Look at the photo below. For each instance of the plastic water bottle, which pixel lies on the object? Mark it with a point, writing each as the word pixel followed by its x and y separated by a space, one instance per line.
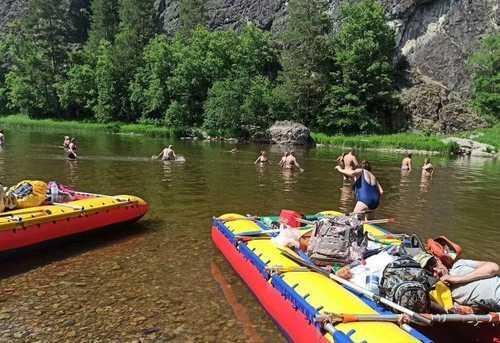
pixel 54 192
pixel 372 281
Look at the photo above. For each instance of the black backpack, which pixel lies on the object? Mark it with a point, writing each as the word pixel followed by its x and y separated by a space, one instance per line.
pixel 407 284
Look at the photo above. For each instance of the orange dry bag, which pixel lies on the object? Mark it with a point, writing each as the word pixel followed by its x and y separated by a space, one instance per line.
pixel 444 249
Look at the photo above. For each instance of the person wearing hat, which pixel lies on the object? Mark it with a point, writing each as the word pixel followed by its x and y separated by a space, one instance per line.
pixel 472 283
pixel 167 154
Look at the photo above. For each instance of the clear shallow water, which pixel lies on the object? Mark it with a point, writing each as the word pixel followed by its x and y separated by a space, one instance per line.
pixel 162 278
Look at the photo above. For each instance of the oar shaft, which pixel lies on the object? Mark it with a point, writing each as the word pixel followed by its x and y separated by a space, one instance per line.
pixel 417 317
pixel 338 336
pixel 446 318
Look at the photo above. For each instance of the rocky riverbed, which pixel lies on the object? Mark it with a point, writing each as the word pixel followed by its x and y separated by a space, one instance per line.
pixel 112 294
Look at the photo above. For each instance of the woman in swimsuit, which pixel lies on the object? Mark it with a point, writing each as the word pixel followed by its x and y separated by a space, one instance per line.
pixel 406 163
pixel 427 168
pixel 368 190
pixel 262 159
pixel 72 149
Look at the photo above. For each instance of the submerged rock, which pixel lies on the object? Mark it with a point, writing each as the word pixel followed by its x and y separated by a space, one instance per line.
pixel 290 133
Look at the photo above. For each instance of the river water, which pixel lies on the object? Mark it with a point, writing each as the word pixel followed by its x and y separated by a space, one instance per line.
pixel 162 279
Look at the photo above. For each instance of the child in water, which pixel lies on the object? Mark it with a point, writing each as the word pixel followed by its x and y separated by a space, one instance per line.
pixel 72 149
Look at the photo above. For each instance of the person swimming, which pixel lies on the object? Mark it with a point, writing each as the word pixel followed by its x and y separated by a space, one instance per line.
pixel 406 163
pixel 427 168
pixel 72 149
pixel 66 142
pixel 366 187
pixel 262 159
pixel 167 154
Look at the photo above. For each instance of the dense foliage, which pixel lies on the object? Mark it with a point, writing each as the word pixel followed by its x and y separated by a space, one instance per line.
pixel 127 70
pixel 485 65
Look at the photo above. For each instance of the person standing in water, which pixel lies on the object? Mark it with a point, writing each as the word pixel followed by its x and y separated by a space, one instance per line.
pixel 66 142
pixel 366 187
pixel 427 168
pixel 291 162
pixel 2 138
pixel 350 160
pixel 262 159
pixel 406 163
pixel 72 149
pixel 167 154
pixel 283 159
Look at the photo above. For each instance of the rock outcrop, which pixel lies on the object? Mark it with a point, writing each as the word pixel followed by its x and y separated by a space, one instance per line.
pixel 434 39
pixel 290 133
pixel 472 148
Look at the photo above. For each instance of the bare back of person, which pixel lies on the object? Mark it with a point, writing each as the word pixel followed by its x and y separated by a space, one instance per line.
pixel 350 161
pixel 168 154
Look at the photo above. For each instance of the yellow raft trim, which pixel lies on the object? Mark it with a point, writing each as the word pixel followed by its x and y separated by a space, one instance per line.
pixel 42 214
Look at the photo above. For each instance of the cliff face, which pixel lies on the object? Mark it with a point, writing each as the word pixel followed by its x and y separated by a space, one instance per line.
pixel 434 39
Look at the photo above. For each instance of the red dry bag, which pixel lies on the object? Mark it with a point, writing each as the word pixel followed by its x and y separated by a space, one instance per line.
pixel 291 218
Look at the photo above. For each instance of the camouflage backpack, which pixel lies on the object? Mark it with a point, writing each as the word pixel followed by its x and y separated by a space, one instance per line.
pixel 337 240
pixel 407 284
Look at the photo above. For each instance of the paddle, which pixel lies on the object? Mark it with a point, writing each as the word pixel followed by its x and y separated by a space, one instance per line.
pixel 413 315
pixel 493 317
pixel 338 336
pixel 374 221
pixel 257 233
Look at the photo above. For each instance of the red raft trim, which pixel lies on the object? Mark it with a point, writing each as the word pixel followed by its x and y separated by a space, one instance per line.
pixel 292 322
pixel 30 235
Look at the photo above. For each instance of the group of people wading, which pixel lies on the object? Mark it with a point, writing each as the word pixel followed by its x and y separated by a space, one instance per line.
pixel 365 184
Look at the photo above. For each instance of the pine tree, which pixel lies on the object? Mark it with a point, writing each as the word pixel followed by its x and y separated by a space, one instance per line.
pixel 191 15
pixel 137 27
pixel 47 26
pixel 306 59
pixel 104 22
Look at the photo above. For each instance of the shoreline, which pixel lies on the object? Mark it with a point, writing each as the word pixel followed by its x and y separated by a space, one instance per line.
pixel 405 142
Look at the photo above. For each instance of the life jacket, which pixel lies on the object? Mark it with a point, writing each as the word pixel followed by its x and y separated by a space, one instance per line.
pixel 337 240
pixel 28 193
pixel 444 249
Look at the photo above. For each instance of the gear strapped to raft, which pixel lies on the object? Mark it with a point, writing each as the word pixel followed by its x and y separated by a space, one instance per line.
pixel 337 240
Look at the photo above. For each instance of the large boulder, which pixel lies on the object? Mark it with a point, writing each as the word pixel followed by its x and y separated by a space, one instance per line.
pixel 290 133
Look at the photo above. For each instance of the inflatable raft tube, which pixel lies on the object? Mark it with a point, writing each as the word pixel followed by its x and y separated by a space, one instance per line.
pixel 26 227
pixel 294 299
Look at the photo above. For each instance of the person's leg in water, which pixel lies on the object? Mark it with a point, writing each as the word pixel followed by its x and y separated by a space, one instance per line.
pixel 361 208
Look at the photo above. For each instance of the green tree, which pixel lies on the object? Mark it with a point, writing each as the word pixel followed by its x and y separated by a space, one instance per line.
pixel 192 14
pixel 46 24
pixel 30 83
pixel 361 96
pixel 108 100
pixel 3 72
pixel 149 93
pixel 104 22
pixel 239 103
pixel 203 60
pixel 77 92
pixel 137 26
pixel 306 59
pixel 485 67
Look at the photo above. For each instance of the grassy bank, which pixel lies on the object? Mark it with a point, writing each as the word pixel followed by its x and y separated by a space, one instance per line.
pixel 410 141
pixel 488 136
pixel 21 121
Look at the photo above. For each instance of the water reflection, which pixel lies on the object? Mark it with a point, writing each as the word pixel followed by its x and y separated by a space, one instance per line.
pixel 167 171
pixel 72 174
pixel 346 200
pixel 289 177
